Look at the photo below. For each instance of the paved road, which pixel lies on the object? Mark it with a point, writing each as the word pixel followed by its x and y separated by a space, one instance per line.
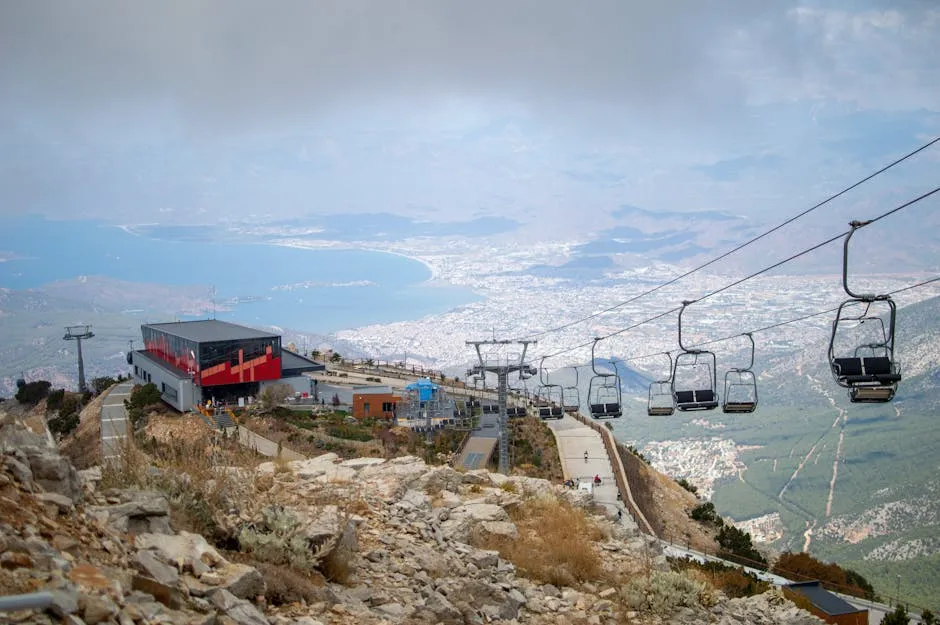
pixel 114 426
pixel 574 438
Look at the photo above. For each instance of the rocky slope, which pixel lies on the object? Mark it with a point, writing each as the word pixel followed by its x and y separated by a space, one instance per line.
pixel 329 541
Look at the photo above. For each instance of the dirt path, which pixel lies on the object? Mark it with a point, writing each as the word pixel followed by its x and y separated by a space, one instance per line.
pixel 835 463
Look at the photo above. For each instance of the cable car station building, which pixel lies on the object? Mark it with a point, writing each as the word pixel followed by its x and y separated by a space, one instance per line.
pixel 192 362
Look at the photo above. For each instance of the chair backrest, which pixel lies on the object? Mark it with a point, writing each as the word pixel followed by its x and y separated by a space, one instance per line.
pixel 848 366
pixel 685 397
pixel 705 395
pixel 597 408
pixel 612 408
pixel 877 365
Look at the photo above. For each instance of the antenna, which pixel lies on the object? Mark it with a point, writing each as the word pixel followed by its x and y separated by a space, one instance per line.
pixel 77 333
pixel 212 298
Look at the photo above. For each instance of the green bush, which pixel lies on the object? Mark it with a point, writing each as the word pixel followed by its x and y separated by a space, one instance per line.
pixel 705 513
pixel 349 432
pixel 31 393
pixel 143 396
pixel 735 545
pixel 71 405
pixel 278 538
pixel 103 383
pixel 64 424
pixel 54 400
pixel 684 483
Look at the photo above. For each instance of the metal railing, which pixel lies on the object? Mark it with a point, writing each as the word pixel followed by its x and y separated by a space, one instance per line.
pixel 30 601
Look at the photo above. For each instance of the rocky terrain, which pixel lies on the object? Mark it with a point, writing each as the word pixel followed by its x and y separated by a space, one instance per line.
pixel 330 541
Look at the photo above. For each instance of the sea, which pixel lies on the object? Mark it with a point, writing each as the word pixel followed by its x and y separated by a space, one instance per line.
pixel 309 290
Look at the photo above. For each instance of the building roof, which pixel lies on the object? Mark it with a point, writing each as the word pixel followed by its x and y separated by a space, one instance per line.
pixel 292 362
pixel 209 330
pixel 823 599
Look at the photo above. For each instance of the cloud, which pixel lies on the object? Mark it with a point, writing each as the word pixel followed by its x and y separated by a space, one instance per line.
pixel 217 62
pixel 447 109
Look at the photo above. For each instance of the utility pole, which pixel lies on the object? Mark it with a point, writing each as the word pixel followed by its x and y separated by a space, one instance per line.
pixel 77 333
pixel 502 367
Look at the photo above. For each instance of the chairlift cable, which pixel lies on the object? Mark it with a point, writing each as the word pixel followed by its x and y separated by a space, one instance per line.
pixel 742 245
pixel 772 326
pixel 738 282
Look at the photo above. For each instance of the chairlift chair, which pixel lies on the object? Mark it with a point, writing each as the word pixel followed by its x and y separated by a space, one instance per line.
pixel 551 405
pixel 741 387
pixel 571 396
pixel 866 368
pixel 604 394
pixel 661 401
pixel 694 380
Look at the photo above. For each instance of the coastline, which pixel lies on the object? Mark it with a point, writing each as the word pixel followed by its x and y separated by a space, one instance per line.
pixel 336 245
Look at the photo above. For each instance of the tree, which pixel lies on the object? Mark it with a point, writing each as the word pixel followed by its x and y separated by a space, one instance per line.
pixel 927 617
pixel 336 357
pixel 55 398
pixel 316 354
pixel 273 395
pixel 684 483
pixel 898 617
pixel 704 513
pixel 31 393
pixel 735 545
pixel 804 566
pixel 144 395
pixel 103 383
pixel 64 424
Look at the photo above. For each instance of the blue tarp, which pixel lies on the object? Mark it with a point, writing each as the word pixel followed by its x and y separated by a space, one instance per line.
pixel 425 387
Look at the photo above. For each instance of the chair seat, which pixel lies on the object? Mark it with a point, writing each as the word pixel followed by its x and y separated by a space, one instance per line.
pixel 871 394
pixel 735 407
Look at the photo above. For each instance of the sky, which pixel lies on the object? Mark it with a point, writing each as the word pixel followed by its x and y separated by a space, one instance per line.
pixel 550 113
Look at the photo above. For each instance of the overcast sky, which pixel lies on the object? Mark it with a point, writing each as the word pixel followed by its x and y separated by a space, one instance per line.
pixel 440 109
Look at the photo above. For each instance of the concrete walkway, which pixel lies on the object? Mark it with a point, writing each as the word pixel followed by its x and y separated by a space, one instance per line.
pixel 114 422
pixel 574 438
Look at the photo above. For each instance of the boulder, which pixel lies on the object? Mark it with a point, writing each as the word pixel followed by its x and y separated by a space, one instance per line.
pixel 243 581
pixel 54 473
pixel 181 550
pixel 140 512
pixel 148 564
pixel 20 470
pixel 239 610
pixel 62 503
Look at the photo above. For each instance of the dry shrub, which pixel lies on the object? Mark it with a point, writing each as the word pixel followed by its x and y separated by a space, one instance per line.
pixel 337 566
pixel 663 591
pixel 130 470
pixel 285 585
pixel 203 478
pixel 555 543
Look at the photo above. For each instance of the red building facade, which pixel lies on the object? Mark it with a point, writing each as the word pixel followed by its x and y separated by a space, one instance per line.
pixel 251 357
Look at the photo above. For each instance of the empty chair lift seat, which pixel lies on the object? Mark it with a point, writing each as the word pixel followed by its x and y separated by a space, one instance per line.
pixel 739 406
pixel 703 399
pixel 876 370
